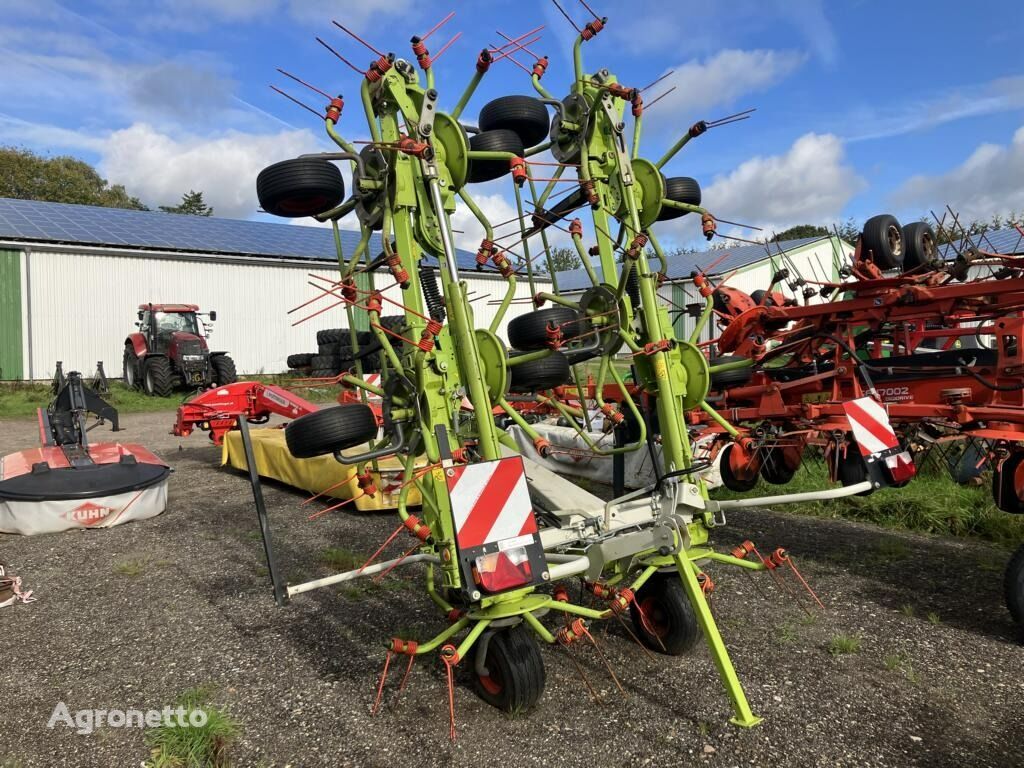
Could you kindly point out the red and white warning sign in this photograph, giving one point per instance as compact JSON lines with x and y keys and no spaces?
{"x":875,"y":436}
{"x":495,"y":528}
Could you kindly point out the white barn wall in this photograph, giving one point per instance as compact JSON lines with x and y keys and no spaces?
{"x":82,"y":306}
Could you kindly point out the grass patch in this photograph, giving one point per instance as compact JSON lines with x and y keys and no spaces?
{"x":20,"y":399}
{"x":840,"y":645}
{"x":907,"y":610}
{"x":341,"y":559}
{"x":900,"y":662}
{"x":934,"y":618}
{"x":202,"y":746}
{"x":130,"y":568}
{"x":786,"y":633}
{"x":932,"y":503}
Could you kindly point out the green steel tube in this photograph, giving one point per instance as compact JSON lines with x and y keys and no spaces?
{"x":506,"y":301}
{"x":371,"y":118}
{"x":538,"y":149}
{"x":527,"y":357}
{"x":705,"y":315}
{"x":484,"y":154}
{"x":539,"y":628}
{"x":439,"y":601}
{"x":636,"y":136}
{"x":577,"y":65}
{"x":436,"y":642}
{"x":364,"y":241}
{"x":556,"y":299}
{"x":733,"y":365}
{"x":752,"y":565}
{"x":577,"y":240}
{"x":467,"y":94}
{"x":658,"y":252}
{"x":472,"y":637}
{"x":718,"y":419}
{"x":475,"y":209}
{"x":539,"y":204}
{"x":674,"y":149}
{"x":578,"y":610}
{"x":540,"y":88}
{"x":683,"y":206}
{"x":519,"y":420}
{"x":525,"y":241}
{"x":544,"y":239}
{"x":337,"y":139}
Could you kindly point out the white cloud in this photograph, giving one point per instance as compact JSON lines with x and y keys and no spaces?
{"x":159,"y":168}
{"x":810,"y":183}
{"x":720,"y":79}
{"x":986,"y":183}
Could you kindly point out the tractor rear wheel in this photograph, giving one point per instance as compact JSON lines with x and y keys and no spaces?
{"x":1013,"y":584}
{"x":304,"y":186}
{"x":130,"y":369}
{"x":330,"y":430}
{"x":223,"y":370}
{"x":665,"y":621}
{"x":157,"y":377}
{"x":515,"y":675}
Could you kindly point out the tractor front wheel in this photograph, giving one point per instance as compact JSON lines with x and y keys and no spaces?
{"x":223,"y":370}
{"x":157,"y":377}
{"x":663,"y":617}
{"x":130,"y":369}
{"x":515,"y":675}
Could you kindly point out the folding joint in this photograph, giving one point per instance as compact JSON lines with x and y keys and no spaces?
{"x":334,"y":109}
{"x":708,"y":225}
{"x":540,"y":67}
{"x":405,"y":647}
{"x":485,"y":251}
{"x":518,"y":167}
{"x":664,"y":345}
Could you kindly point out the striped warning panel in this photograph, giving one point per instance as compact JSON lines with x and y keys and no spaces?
{"x":869,"y":423}
{"x":490,"y":502}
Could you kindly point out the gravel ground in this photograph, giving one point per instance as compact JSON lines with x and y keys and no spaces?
{"x":936,"y":680}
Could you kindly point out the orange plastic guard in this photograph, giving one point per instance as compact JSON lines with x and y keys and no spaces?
{"x":496,"y":533}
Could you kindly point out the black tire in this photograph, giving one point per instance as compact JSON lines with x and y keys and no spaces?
{"x":730,"y":479}
{"x":760,"y":296}
{"x":1013,"y":587}
{"x":492,"y":141}
{"x":1004,"y":491}
{"x":515,"y":667}
{"x":304,"y":186}
{"x":537,"y":375}
{"x":883,"y":237}
{"x":331,"y":336}
{"x":919,"y":245}
{"x":333,"y":350}
{"x":682,"y":189}
{"x":130,"y":368}
{"x":323,"y":373}
{"x":325,"y":361}
{"x":774,"y":468}
{"x":736,"y":377}
{"x":530,"y":331}
{"x":525,"y":116}
{"x":330,"y":430}
{"x":852,"y":470}
{"x":156,"y":377}
{"x":223,"y":370}
{"x":669,"y":613}
{"x":300,"y":360}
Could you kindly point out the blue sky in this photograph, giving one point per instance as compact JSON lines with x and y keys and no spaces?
{"x":862,"y":106}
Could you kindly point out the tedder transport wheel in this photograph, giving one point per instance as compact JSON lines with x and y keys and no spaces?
{"x":156,"y":373}
{"x":524,"y":115}
{"x":530,"y":331}
{"x":223,"y":370}
{"x":1004,"y":484}
{"x":731,"y":378}
{"x":537,"y":375}
{"x":130,"y":369}
{"x":515,"y":670}
{"x":775,"y":468}
{"x":883,"y":236}
{"x":1013,"y":583}
{"x":330,"y":430}
{"x":732,"y":479}
{"x":919,"y":244}
{"x":668,"y":613}
{"x":492,"y":141}
{"x":304,"y":186}
{"x":682,"y":189}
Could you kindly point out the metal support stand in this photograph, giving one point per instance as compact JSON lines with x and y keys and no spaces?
{"x":280,"y":591}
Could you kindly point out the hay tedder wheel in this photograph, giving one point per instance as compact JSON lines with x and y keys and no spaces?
{"x":538,"y":375}
{"x":883,"y":236}
{"x":515,"y":670}
{"x":493,"y":141}
{"x":682,"y":189}
{"x":1013,"y":584}
{"x":668,"y":623}
{"x":530,"y":331}
{"x":1005,"y":484}
{"x":777,"y":468}
{"x":735,"y":479}
{"x":304,"y":186}
{"x":526,"y":116}
{"x":330,"y":430}
{"x":920,"y":245}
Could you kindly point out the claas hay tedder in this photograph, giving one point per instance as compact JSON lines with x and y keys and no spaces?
{"x":497,"y":535}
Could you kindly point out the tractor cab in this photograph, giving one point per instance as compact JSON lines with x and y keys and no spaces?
{"x":164,"y":323}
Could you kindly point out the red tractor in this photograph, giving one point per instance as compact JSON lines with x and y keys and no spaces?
{"x":169,"y":352}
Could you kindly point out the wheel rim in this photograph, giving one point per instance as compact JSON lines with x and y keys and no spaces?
{"x":892,"y":234}
{"x":492,"y":685}
{"x":149,"y":381}
{"x":928,"y":246}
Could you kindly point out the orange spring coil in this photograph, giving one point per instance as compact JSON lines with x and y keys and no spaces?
{"x":334,"y":109}
{"x":418,"y":528}
{"x":637,"y":104}
{"x":518,"y":167}
{"x":576,"y":227}
{"x":348,"y":290}
{"x":571,"y":633}
{"x":540,"y":67}
{"x":698,"y":128}
{"x":408,"y":647}
{"x":587,"y":185}
{"x":366,"y":483}
{"x":592,"y":28}
{"x":542,"y":446}
{"x":560,"y":594}
{"x":426,"y":342}
{"x":483,"y":61}
{"x":374,"y":303}
{"x":422,"y":54}
{"x":743,"y":550}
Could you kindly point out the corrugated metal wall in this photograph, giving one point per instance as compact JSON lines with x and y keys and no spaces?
{"x":10,"y":315}
{"x":84,"y":305}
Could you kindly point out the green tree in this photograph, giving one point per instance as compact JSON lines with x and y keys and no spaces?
{"x":191,"y":204}
{"x":562,"y":260}
{"x":799,"y":231}
{"x":63,"y":179}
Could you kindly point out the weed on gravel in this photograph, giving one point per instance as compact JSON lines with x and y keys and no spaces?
{"x":202,"y":746}
{"x":840,"y":645}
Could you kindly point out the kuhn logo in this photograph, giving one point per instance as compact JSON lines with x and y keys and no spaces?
{"x":89,"y":514}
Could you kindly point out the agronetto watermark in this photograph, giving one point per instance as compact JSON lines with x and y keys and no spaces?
{"x":85,"y":721}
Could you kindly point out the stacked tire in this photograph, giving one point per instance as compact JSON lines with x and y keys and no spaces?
{"x":530,"y":333}
{"x":335,"y":353}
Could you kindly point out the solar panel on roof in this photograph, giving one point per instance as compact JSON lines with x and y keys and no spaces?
{"x":61,"y":222}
